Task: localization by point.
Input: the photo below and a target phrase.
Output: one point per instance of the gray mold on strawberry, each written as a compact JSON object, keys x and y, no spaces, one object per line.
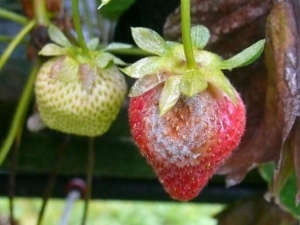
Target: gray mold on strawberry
{"x":189,"y":142}
{"x":185,"y":119}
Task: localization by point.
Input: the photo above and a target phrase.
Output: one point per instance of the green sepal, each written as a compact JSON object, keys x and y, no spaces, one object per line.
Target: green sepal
{"x":68,"y":70}
{"x":200,"y":36}
{"x":149,"y":40}
{"x":118,"y":61}
{"x":219,"y":80}
{"x":207,"y":59}
{"x":52,"y":50}
{"x":146,"y":83}
{"x":170,"y":94}
{"x":175,"y":50}
{"x":117,"y":46}
{"x":245,"y":57}
{"x":145,"y":66}
{"x":103,"y":59}
{"x":93,"y":44}
{"x":58,"y":37}
{"x":192,"y":83}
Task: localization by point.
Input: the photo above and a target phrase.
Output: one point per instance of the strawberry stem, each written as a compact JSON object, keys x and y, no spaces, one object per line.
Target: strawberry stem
{"x":13,"y":16}
{"x":19,"y":116}
{"x":14,"y":43}
{"x":89,"y":178}
{"x":186,"y":33}
{"x":40,"y":12}
{"x":78,"y":28}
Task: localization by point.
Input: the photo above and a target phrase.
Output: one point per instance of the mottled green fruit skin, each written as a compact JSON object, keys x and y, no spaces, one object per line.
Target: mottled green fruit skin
{"x":69,"y":108}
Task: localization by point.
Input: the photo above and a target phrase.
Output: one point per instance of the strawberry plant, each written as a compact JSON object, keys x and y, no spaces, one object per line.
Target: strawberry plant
{"x":204,"y":102}
{"x":184,"y":114}
{"x":267,"y":88}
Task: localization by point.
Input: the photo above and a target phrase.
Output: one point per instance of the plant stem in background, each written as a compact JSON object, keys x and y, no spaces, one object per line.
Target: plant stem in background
{"x":130,"y":51}
{"x":5,"y":38}
{"x":20,"y":113}
{"x":89,"y":179}
{"x":40,"y":12}
{"x":13,"y":16}
{"x":8,"y":51}
{"x":78,"y":28}
{"x":52,"y":178}
{"x":186,"y":33}
{"x":88,"y":18}
{"x":12,"y":175}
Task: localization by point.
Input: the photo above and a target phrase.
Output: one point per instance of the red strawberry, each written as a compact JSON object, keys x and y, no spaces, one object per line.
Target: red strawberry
{"x":186,"y":119}
{"x":187,"y":143}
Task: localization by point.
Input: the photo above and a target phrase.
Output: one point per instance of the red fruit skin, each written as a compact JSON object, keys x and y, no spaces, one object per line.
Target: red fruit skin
{"x":186,"y":145}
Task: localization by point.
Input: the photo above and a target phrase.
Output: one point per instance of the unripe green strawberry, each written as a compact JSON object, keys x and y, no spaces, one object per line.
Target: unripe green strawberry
{"x":79,"y":92}
{"x":71,"y":108}
{"x":186,"y":118}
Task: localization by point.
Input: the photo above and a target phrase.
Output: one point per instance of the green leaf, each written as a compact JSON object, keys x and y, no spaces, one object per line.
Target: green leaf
{"x":200,"y":36}
{"x":149,"y":40}
{"x":103,"y":59}
{"x":146,"y":83}
{"x":192,"y":83}
{"x":115,"y":9}
{"x":58,"y":37}
{"x":170,"y":94}
{"x":117,"y":46}
{"x":219,"y":80}
{"x":289,"y":191}
{"x":52,"y":50}
{"x":93,"y":44}
{"x":68,"y":70}
{"x":245,"y":57}
{"x":145,"y":66}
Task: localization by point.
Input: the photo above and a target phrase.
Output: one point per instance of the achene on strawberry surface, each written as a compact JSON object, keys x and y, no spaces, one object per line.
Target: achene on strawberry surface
{"x":79,"y":93}
{"x":70,"y":108}
{"x":187,"y":143}
{"x":186,"y":121}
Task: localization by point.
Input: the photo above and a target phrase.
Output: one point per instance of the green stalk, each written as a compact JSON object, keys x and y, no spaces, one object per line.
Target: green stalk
{"x":7,"y":52}
{"x":13,"y":16}
{"x":53,"y":177}
{"x":78,"y":28}
{"x":129,"y":51}
{"x":89,"y":179}
{"x":19,"y":114}
{"x":5,"y":38}
{"x":40,"y":12}
{"x":186,"y":33}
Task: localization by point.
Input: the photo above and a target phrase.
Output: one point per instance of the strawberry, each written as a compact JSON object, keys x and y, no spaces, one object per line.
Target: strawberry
{"x":187,"y":143}
{"x":186,"y":121}
{"x":75,"y":93}
{"x":70,"y":108}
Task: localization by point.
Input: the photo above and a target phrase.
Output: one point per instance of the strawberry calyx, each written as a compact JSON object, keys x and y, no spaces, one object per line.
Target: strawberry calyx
{"x":73,"y":63}
{"x":169,"y":66}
